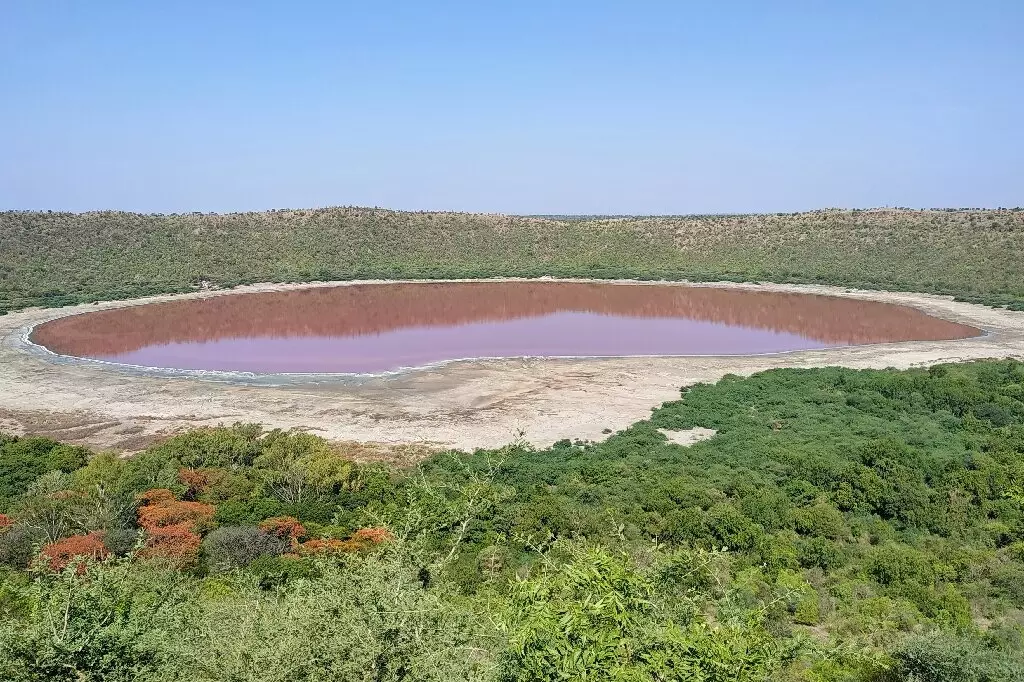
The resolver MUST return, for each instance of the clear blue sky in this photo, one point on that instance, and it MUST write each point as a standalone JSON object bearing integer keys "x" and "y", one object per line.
{"x": 515, "y": 107}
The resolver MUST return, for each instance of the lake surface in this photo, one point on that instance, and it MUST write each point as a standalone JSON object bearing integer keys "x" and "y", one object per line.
{"x": 370, "y": 328}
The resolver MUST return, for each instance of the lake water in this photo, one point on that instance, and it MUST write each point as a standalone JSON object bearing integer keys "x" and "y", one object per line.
{"x": 371, "y": 328}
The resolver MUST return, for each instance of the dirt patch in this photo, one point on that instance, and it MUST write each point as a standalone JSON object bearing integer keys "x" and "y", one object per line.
{"x": 465, "y": 404}
{"x": 687, "y": 437}
{"x": 396, "y": 454}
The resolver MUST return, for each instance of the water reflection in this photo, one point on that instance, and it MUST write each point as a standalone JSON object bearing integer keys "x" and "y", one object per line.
{"x": 369, "y": 328}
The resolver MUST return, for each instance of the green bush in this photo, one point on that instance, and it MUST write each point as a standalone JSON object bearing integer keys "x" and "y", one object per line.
{"x": 597, "y": 617}
{"x": 821, "y": 553}
{"x": 821, "y": 520}
{"x": 111, "y": 623}
{"x": 895, "y": 565}
{"x": 23, "y": 460}
{"x": 231, "y": 547}
{"x": 948, "y": 657}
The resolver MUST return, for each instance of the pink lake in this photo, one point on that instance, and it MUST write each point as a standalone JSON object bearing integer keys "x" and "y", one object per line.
{"x": 376, "y": 328}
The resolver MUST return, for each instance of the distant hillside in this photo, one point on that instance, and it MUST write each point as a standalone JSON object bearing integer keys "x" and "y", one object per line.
{"x": 52, "y": 259}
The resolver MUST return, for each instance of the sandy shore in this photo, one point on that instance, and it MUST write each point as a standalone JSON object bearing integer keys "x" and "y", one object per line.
{"x": 466, "y": 404}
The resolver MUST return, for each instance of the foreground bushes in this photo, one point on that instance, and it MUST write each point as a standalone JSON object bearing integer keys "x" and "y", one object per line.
{"x": 842, "y": 525}
{"x": 585, "y": 613}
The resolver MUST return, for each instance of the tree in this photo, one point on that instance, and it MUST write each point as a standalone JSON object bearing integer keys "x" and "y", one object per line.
{"x": 23, "y": 460}
{"x": 364, "y": 538}
{"x": 110, "y": 622}
{"x": 296, "y": 466}
{"x": 949, "y": 657}
{"x": 231, "y": 447}
{"x": 49, "y": 509}
{"x": 196, "y": 481}
{"x": 18, "y": 544}
{"x": 195, "y": 515}
{"x": 364, "y": 617}
{"x": 74, "y": 550}
{"x": 820, "y": 520}
{"x": 284, "y": 527}
{"x": 238, "y": 546}
{"x": 172, "y": 526}
{"x": 597, "y": 617}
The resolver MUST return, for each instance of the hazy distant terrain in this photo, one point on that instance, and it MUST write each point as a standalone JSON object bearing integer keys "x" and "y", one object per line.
{"x": 50, "y": 258}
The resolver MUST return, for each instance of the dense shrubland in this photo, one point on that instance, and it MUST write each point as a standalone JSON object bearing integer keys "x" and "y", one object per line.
{"x": 841, "y": 525}
{"x": 53, "y": 259}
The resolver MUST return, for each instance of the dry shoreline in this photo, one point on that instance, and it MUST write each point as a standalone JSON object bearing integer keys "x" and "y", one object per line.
{"x": 464, "y": 404}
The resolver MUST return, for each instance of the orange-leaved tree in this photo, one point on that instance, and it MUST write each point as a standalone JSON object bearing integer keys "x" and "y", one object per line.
{"x": 372, "y": 536}
{"x": 285, "y": 527}
{"x": 59, "y": 555}
{"x": 364, "y": 538}
{"x": 173, "y": 526}
{"x": 196, "y": 481}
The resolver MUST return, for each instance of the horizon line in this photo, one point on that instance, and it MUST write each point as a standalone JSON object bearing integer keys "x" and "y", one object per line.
{"x": 541, "y": 216}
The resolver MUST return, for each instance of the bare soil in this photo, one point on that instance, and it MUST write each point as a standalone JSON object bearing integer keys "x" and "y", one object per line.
{"x": 687, "y": 437}
{"x": 465, "y": 404}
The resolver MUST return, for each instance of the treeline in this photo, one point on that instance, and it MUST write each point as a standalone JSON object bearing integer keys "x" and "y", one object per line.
{"x": 55, "y": 259}
{"x": 840, "y": 525}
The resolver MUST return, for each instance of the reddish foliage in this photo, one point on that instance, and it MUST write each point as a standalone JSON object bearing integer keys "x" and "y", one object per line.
{"x": 5, "y": 521}
{"x": 328, "y": 546}
{"x": 284, "y": 527}
{"x": 196, "y": 480}
{"x": 64, "y": 552}
{"x": 361, "y": 539}
{"x": 373, "y": 536}
{"x": 155, "y": 496}
{"x": 194, "y": 515}
{"x": 176, "y": 543}
{"x": 172, "y": 527}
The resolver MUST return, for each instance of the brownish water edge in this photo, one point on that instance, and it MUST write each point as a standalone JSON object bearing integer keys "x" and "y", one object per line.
{"x": 373, "y": 328}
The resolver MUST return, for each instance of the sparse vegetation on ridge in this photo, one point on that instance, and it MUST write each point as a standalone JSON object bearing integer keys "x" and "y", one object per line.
{"x": 54, "y": 259}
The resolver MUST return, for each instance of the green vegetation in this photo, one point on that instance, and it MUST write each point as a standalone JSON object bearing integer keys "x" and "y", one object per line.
{"x": 53, "y": 259}
{"x": 865, "y": 526}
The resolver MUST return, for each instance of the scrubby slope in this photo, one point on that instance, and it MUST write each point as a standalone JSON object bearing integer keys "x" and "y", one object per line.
{"x": 60, "y": 258}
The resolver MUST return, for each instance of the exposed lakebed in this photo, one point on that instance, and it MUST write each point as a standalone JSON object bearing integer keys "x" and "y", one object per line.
{"x": 373, "y": 328}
